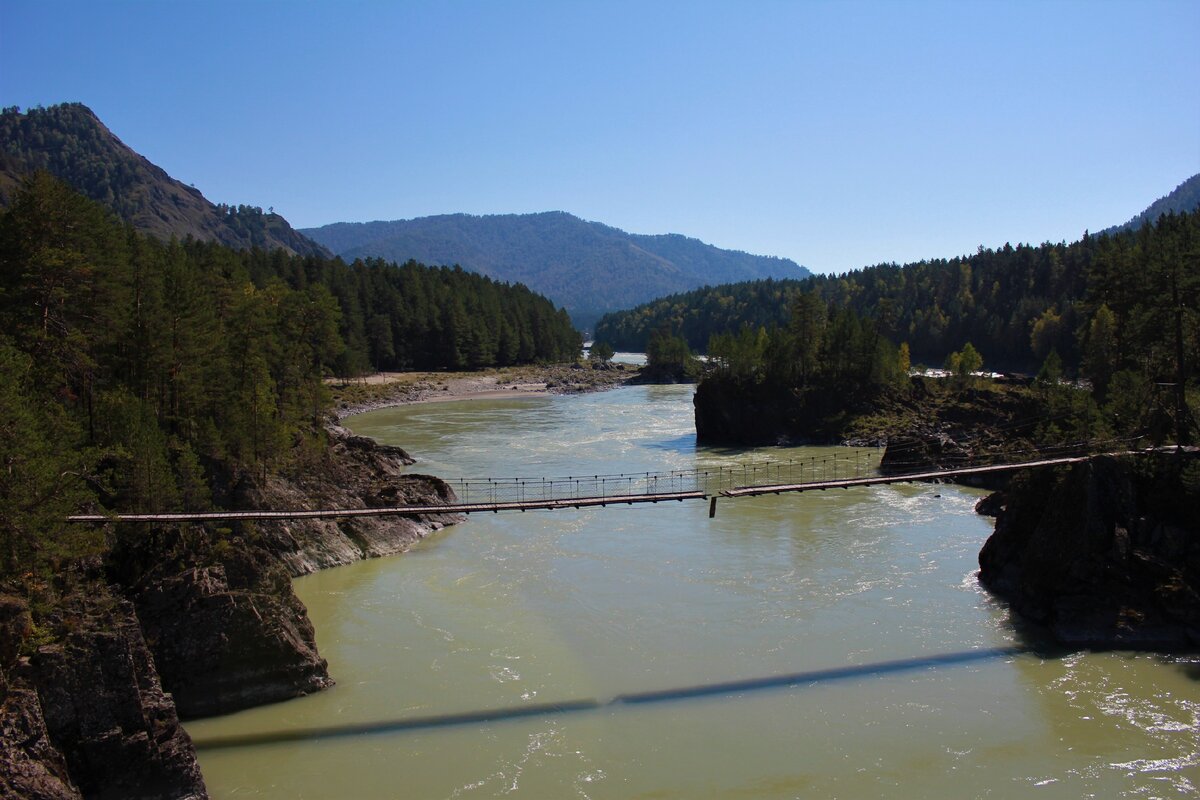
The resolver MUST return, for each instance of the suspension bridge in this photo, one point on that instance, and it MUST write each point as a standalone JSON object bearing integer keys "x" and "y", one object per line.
{"x": 845, "y": 469}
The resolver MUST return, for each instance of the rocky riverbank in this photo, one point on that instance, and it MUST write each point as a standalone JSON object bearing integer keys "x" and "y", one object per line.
{"x": 387, "y": 389}
{"x": 1103, "y": 554}
{"x": 187, "y": 621}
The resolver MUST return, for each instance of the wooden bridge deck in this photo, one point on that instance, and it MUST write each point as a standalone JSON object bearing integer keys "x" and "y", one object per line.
{"x": 908, "y": 477}
{"x": 589, "y": 501}
{"x": 392, "y": 511}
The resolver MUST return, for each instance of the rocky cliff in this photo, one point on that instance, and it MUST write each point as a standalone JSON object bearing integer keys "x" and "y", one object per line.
{"x": 85, "y": 716}
{"x": 1106, "y": 553}
{"x": 219, "y": 613}
{"x": 352, "y": 472}
{"x": 217, "y": 605}
{"x": 731, "y": 413}
{"x": 186, "y": 620}
{"x": 30, "y": 764}
{"x": 926, "y": 424}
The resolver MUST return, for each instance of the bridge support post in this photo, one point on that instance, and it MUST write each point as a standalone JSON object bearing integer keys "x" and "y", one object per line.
{"x": 712, "y": 507}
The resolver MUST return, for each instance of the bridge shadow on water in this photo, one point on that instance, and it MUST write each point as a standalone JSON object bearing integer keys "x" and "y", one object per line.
{"x": 710, "y": 690}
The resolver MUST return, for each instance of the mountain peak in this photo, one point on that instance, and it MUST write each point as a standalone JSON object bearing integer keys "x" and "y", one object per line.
{"x": 70, "y": 142}
{"x": 588, "y": 267}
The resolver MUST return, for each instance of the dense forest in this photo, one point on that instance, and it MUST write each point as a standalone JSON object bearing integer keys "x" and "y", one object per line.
{"x": 1015, "y": 304}
{"x": 1118, "y": 312}
{"x": 144, "y": 375}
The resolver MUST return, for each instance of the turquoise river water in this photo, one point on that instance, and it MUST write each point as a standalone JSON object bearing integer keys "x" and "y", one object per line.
{"x": 831, "y": 644}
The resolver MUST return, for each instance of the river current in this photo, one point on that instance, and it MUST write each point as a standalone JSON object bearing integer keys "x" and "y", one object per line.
{"x": 832, "y": 644}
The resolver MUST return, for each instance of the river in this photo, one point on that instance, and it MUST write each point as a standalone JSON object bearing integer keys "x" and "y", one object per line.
{"x": 831, "y": 644}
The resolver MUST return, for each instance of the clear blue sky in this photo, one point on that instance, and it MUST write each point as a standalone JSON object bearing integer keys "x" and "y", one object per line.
{"x": 836, "y": 134}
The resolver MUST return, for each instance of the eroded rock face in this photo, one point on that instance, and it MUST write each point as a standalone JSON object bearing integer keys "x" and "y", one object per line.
{"x": 355, "y": 472}
{"x": 1104, "y": 554}
{"x": 217, "y": 606}
{"x": 88, "y": 717}
{"x": 106, "y": 712}
{"x": 30, "y": 765}
{"x": 729, "y": 413}
{"x": 225, "y": 627}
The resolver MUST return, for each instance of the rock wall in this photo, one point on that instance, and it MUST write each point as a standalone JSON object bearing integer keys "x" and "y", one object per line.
{"x": 86, "y": 715}
{"x": 210, "y": 610}
{"x": 1104, "y": 554}
{"x": 354, "y": 472}
{"x": 226, "y": 629}
{"x": 30, "y": 765}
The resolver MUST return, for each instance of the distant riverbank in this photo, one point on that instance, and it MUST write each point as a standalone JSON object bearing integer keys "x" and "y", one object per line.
{"x": 386, "y": 389}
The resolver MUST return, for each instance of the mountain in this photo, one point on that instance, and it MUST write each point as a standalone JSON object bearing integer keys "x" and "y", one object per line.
{"x": 1185, "y": 199}
{"x": 587, "y": 267}
{"x": 71, "y": 143}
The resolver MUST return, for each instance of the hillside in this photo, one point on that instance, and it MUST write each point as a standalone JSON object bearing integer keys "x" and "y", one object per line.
{"x": 1184, "y": 199}
{"x": 1015, "y": 304}
{"x": 585, "y": 266}
{"x": 71, "y": 143}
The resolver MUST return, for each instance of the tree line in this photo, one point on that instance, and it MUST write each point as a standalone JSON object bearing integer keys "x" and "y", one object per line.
{"x": 1118, "y": 315}
{"x": 1103, "y": 300}
{"x": 141, "y": 375}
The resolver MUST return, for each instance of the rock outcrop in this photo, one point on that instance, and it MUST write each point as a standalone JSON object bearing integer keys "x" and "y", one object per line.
{"x": 226, "y": 629}
{"x": 948, "y": 430}
{"x": 217, "y": 606}
{"x": 353, "y": 472}
{"x": 86, "y": 715}
{"x": 31, "y": 766}
{"x": 205, "y": 623}
{"x": 732, "y": 413}
{"x": 1105, "y": 554}
{"x": 666, "y": 375}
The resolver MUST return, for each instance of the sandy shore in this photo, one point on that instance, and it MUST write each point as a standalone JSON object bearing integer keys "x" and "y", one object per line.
{"x": 386, "y": 389}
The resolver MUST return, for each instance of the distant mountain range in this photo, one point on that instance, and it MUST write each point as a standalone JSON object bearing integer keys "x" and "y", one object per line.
{"x": 587, "y": 267}
{"x": 1185, "y": 199}
{"x": 72, "y": 144}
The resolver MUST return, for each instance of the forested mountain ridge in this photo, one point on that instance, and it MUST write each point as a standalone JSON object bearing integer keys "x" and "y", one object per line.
{"x": 1015, "y": 304}
{"x": 585, "y": 266}
{"x": 1117, "y": 315}
{"x": 71, "y": 143}
{"x": 1183, "y": 199}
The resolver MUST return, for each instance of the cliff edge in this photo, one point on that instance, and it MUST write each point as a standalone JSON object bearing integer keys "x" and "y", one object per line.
{"x": 1103, "y": 554}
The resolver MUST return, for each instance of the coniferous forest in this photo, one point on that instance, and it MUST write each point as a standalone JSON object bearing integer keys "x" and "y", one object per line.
{"x": 146, "y": 375}
{"x": 1016, "y": 305}
{"x": 1117, "y": 312}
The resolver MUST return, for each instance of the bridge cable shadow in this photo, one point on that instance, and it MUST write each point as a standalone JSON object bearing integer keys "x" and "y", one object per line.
{"x": 792, "y": 680}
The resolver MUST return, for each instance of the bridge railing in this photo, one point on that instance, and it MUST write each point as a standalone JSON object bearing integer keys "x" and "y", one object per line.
{"x": 846, "y": 463}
